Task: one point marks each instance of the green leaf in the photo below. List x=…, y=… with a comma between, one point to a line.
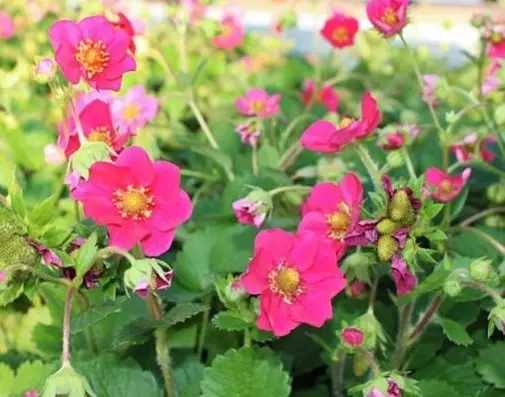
x=455, y=332
x=17, y=199
x=499, y=113
x=68, y=382
x=6, y=380
x=95, y=314
x=437, y=388
x=431, y=209
x=491, y=365
x=230, y=321
x=188, y=376
x=433, y=282
x=41, y=214
x=182, y=312
x=85, y=257
x=268, y=156
x=458, y=204
x=31, y=375
x=247, y=372
x=437, y=235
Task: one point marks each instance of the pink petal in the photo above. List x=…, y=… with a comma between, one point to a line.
x=167, y=182
x=157, y=242
x=138, y=161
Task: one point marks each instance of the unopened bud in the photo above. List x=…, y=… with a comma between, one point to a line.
x=452, y=288
x=352, y=337
x=481, y=270
x=395, y=159
x=44, y=70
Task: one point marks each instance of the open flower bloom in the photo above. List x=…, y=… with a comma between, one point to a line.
x=231, y=35
x=332, y=211
x=404, y=279
x=249, y=212
x=97, y=126
x=92, y=49
x=340, y=29
x=123, y=23
x=324, y=137
x=445, y=187
x=249, y=133
x=352, y=336
x=138, y=200
x=134, y=110
x=296, y=278
x=195, y=9
x=465, y=149
x=430, y=89
x=326, y=96
x=7, y=27
x=142, y=287
x=388, y=16
x=257, y=102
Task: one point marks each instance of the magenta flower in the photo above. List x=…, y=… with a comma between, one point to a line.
x=492, y=81
x=97, y=126
x=138, y=200
x=404, y=279
x=326, y=96
x=74, y=181
x=195, y=8
x=332, y=211
x=324, y=137
x=388, y=16
x=92, y=49
x=393, y=389
x=375, y=393
x=3, y=277
x=134, y=111
x=430, y=89
x=142, y=287
x=124, y=24
x=31, y=393
x=465, y=149
x=352, y=336
x=48, y=256
x=358, y=288
x=339, y=30
x=7, y=27
x=231, y=35
x=250, y=212
x=296, y=278
x=392, y=141
x=249, y=133
x=257, y=102
x=445, y=187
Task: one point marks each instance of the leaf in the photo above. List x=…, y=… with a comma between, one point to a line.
x=437, y=388
x=491, y=365
x=41, y=214
x=85, y=257
x=188, y=376
x=181, y=313
x=431, y=283
x=31, y=375
x=16, y=199
x=268, y=156
x=431, y=209
x=247, y=372
x=437, y=235
x=499, y=113
x=230, y=321
x=6, y=380
x=459, y=203
x=95, y=314
x=456, y=332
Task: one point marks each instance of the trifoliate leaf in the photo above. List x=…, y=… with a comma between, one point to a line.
x=248, y=372
x=188, y=376
x=230, y=321
x=437, y=388
x=491, y=365
x=181, y=313
x=455, y=332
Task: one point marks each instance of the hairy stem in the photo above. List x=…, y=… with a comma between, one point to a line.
x=370, y=166
x=203, y=124
x=425, y=320
x=203, y=327
x=283, y=189
x=290, y=155
x=480, y=215
x=247, y=338
x=374, y=366
x=401, y=344
x=65, y=355
x=337, y=376
x=254, y=156
x=408, y=163
x=484, y=288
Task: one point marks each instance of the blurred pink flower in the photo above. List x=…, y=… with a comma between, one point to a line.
x=250, y=212
x=391, y=141
x=45, y=69
x=54, y=155
x=404, y=279
x=445, y=187
x=231, y=35
x=249, y=133
x=7, y=27
x=352, y=336
x=142, y=287
x=339, y=30
x=134, y=110
x=257, y=102
x=430, y=89
x=465, y=149
x=327, y=95
x=388, y=16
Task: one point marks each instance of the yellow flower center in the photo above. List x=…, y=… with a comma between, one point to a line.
x=257, y=106
x=100, y=134
x=136, y=203
x=92, y=56
x=285, y=281
x=226, y=30
x=445, y=187
x=390, y=18
x=496, y=38
x=345, y=122
x=340, y=34
x=131, y=112
x=339, y=222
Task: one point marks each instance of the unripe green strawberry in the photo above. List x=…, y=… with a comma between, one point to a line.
x=401, y=210
x=481, y=269
x=495, y=221
x=452, y=288
x=387, y=246
x=387, y=226
x=360, y=364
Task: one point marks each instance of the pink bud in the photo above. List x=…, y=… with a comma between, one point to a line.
x=352, y=336
x=45, y=70
x=3, y=277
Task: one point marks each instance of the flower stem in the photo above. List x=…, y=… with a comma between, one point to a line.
x=290, y=155
x=337, y=375
x=370, y=166
x=203, y=124
x=65, y=355
x=254, y=155
x=77, y=120
x=290, y=188
x=373, y=294
x=479, y=163
x=247, y=338
x=203, y=327
x=408, y=163
x=374, y=366
x=197, y=174
x=401, y=344
x=480, y=215
x=480, y=68
x=425, y=320
x=484, y=288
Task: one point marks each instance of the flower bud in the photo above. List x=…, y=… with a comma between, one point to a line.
x=234, y=292
x=387, y=246
x=478, y=20
x=254, y=208
x=44, y=70
x=496, y=221
x=395, y=159
x=452, y=288
x=497, y=319
x=67, y=382
x=54, y=155
x=481, y=269
x=387, y=226
x=352, y=337
x=401, y=210
x=357, y=288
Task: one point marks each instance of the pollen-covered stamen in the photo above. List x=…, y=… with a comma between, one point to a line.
x=131, y=112
x=257, y=106
x=390, y=18
x=285, y=281
x=93, y=56
x=226, y=30
x=340, y=34
x=346, y=122
x=100, y=134
x=445, y=187
x=339, y=222
x=136, y=203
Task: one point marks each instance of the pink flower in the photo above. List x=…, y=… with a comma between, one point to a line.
x=54, y=155
x=135, y=110
x=138, y=200
x=31, y=393
x=48, y=256
x=388, y=16
x=339, y=30
x=324, y=137
x=250, y=212
x=92, y=49
x=326, y=96
x=358, y=288
x=445, y=187
x=430, y=89
x=332, y=211
x=3, y=277
x=44, y=70
x=492, y=81
x=404, y=279
x=142, y=287
x=296, y=278
x=352, y=336
x=7, y=27
x=97, y=126
x=195, y=8
x=392, y=141
x=249, y=133
x=393, y=389
x=375, y=393
x=232, y=34
x=124, y=24
x=257, y=102
x=465, y=149
x=74, y=181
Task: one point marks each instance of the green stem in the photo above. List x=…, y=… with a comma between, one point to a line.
x=254, y=156
x=77, y=120
x=203, y=327
x=480, y=215
x=401, y=344
x=370, y=166
x=425, y=320
x=337, y=375
x=408, y=163
x=203, y=124
x=446, y=221
x=247, y=338
x=284, y=189
x=111, y=250
x=478, y=163
x=480, y=68
x=374, y=366
x=484, y=288
x=198, y=174
x=65, y=355
x=290, y=155
x=290, y=128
